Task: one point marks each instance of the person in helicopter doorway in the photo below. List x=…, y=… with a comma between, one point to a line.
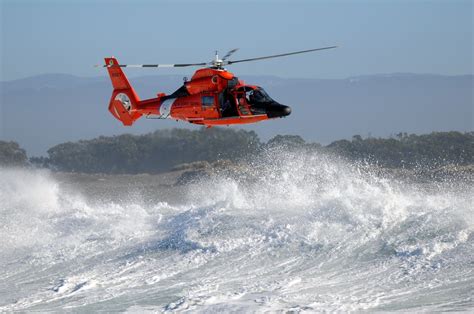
x=225, y=106
x=228, y=108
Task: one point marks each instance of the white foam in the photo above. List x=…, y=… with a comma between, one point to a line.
x=300, y=232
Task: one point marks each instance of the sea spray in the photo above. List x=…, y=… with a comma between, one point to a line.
x=288, y=231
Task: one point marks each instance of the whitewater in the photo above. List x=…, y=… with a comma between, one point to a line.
x=299, y=232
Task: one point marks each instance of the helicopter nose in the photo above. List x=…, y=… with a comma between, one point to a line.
x=286, y=111
x=278, y=111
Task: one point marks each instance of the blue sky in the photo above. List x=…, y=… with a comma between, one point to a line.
x=374, y=36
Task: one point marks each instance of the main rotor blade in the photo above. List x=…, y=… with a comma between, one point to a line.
x=178, y=65
x=228, y=54
x=280, y=55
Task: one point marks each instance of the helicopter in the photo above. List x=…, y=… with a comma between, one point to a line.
x=213, y=96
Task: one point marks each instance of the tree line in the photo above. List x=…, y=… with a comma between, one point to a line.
x=162, y=150
x=410, y=150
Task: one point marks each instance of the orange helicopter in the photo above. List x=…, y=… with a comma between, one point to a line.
x=213, y=96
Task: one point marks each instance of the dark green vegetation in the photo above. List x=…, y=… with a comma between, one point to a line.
x=151, y=153
x=12, y=155
x=437, y=149
x=160, y=151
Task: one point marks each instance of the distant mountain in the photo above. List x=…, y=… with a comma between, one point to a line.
x=42, y=111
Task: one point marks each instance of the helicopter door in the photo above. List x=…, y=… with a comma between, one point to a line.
x=227, y=105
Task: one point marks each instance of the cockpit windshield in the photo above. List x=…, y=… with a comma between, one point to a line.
x=258, y=96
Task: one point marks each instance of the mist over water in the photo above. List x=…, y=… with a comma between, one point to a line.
x=294, y=231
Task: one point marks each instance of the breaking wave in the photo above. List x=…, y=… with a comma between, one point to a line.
x=291, y=232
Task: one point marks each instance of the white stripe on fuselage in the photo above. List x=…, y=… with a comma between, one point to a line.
x=165, y=108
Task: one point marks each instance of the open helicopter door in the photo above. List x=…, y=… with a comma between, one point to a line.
x=227, y=104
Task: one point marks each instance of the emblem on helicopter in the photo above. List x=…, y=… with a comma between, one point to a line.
x=123, y=98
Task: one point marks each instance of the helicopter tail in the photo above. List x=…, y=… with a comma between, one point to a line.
x=124, y=100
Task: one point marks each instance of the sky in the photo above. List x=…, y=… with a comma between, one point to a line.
x=374, y=37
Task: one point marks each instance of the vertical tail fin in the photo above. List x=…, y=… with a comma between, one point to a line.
x=124, y=101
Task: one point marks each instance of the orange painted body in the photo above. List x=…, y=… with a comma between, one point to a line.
x=211, y=97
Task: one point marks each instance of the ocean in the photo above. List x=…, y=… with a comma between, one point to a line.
x=293, y=232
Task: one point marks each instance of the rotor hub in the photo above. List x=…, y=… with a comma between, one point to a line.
x=217, y=63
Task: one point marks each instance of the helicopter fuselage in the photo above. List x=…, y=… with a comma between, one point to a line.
x=211, y=97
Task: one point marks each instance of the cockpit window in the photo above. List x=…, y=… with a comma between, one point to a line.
x=245, y=89
x=258, y=96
